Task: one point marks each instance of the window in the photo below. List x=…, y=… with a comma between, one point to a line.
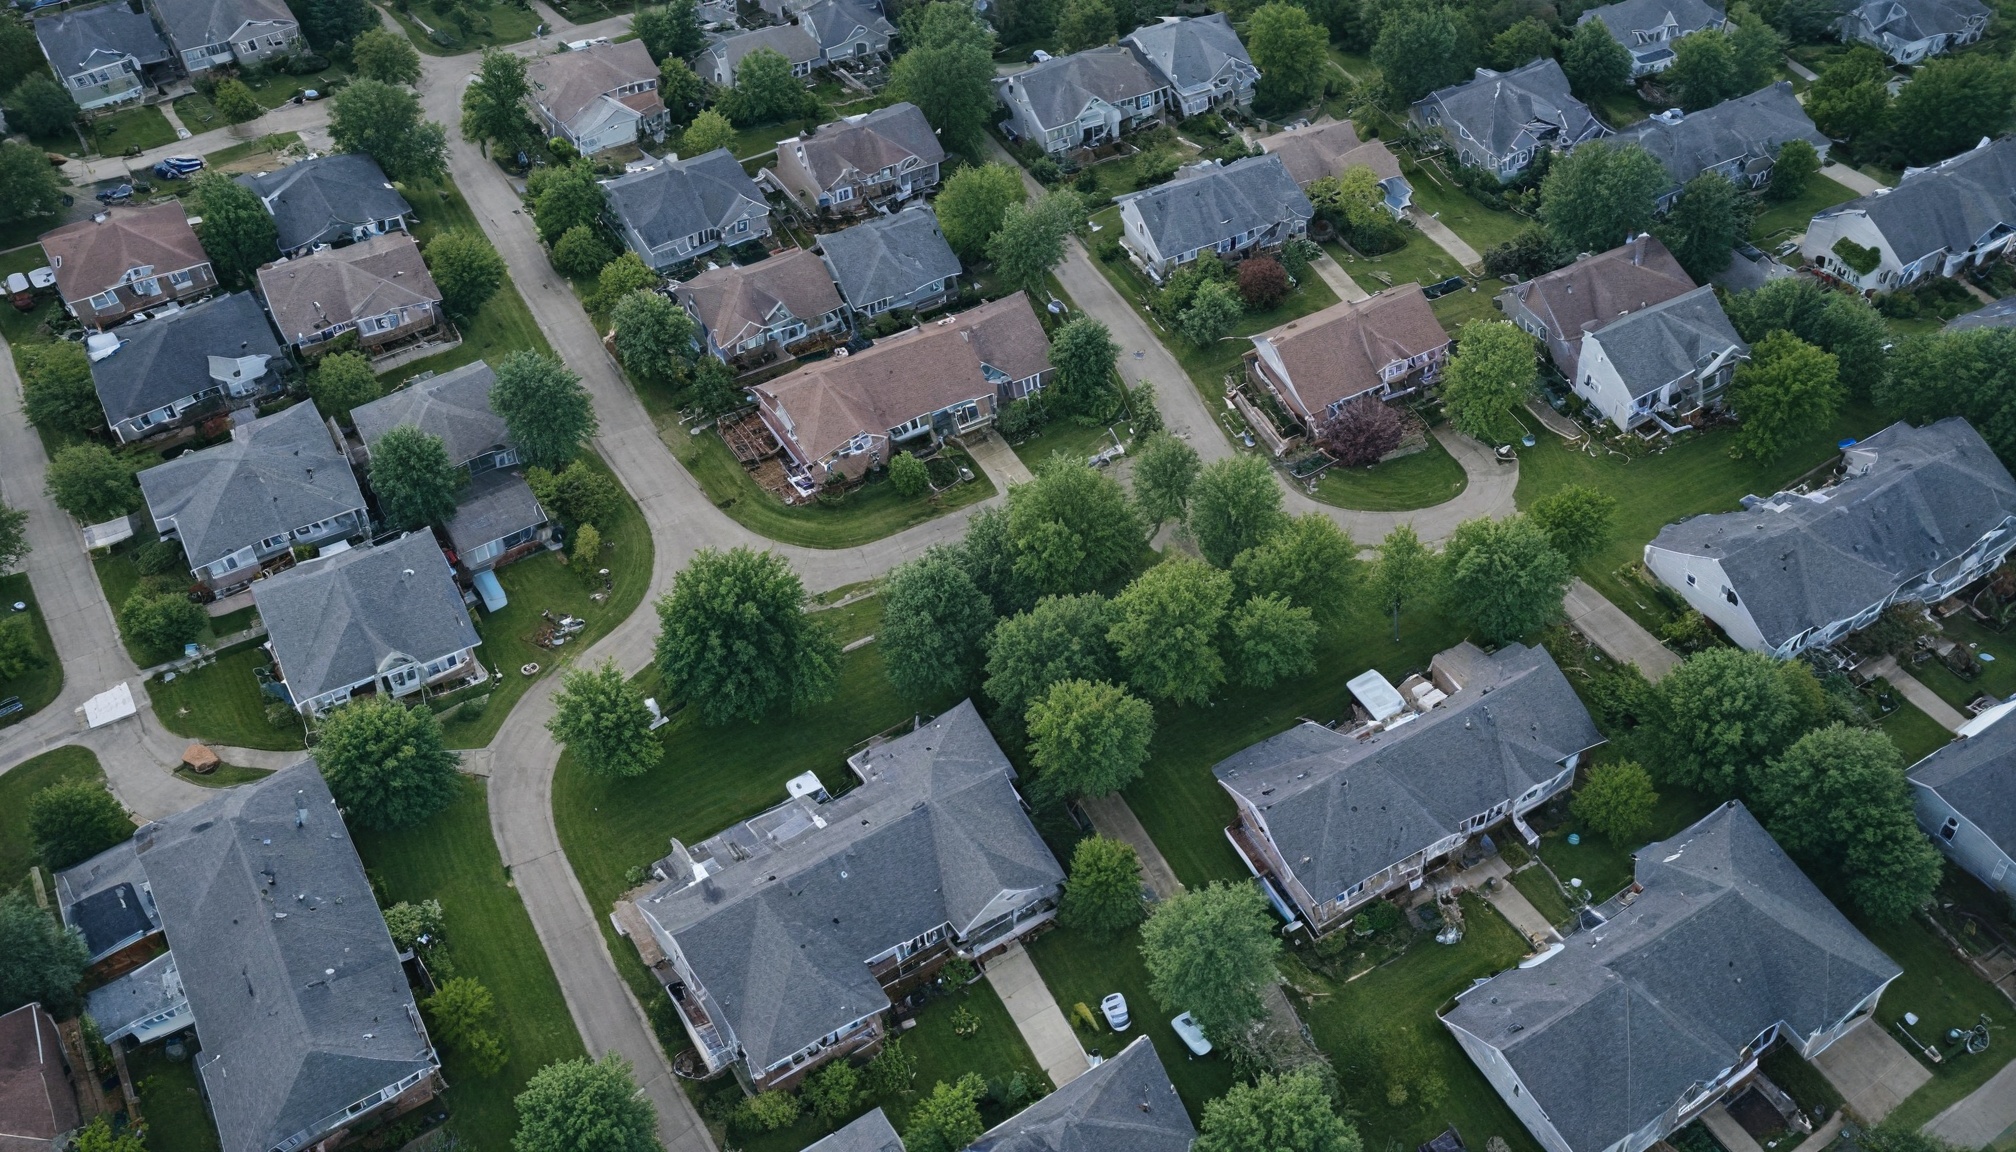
x=1691, y=581
x=1947, y=829
x=181, y=279
x=843, y=194
x=1729, y=594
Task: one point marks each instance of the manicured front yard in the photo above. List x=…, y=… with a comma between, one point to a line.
x=221, y=703
x=1543, y=892
x=133, y=130
x=1420, y=480
x=1437, y=195
x=1780, y=222
x=1915, y=734
x=38, y=685
x=17, y=786
x=1069, y=437
x=1419, y=261
x=119, y=574
x=507, y=24
x=1998, y=672
x=503, y=325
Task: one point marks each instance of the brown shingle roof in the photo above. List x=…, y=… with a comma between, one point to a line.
x=568, y=82
x=734, y=302
x=867, y=144
x=1337, y=353
x=1318, y=150
x=91, y=255
x=37, y=1103
x=343, y=284
x=1598, y=289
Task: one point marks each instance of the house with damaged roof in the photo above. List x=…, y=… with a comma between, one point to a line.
x=784, y=940
x=1737, y=139
x=1332, y=820
x=1911, y=31
x=1082, y=100
x=1917, y=514
x=1648, y=29
x=378, y=288
x=124, y=260
x=1200, y=58
x=846, y=30
x=1719, y=951
x=1674, y=358
x=1500, y=120
x=1965, y=797
x=103, y=55
x=1386, y=346
x=743, y=309
x=790, y=41
x=1937, y=221
x=1231, y=209
x=862, y=163
x=167, y=371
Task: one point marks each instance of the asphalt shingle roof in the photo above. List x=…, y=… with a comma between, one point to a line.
x=1217, y=201
x=83, y=39
x=454, y=406
x=169, y=357
x=1628, y=16
x=737, y=301
x=1751, y=128
x=1337, y=353
x=2001, y=314
x=324, y=198
x=1190, y=53
x=1951, y=205
x=1914, y=499
x=868, y=143
x=1126, y=1104
x=833, y=21
x=91, y=255
x=495, y=505
x=1977, y=776
x=1508, y=112
x=683, y=197
x=343, y=285
x=1595, y=290
x=1059, y=88
x=37, y=1104
x=576, y=85
x=1914, y=20
x=890, y=256
x=1318, y=150
x=869, y=1133
x=787, y=40
x=1655, y=346
x=195, y=23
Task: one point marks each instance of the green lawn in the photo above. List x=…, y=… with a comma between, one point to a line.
x=39, y=685
x=177, y=1121
x=1622, y=109
x=1477, y=302
x=198, y=114
x=1437, y=195
x=1393, y=1009
x=221, y=703
x=1780, y=222
x=1800, y=1080
x=264, y=146
x=508, y=24
x=502, y=325
x=17, y=785
x=131, y=130
x=1421, y=480
x=1543, y=892
x=1915, y=734
x=1420, y=261
x=1069, y=437
x=273, y=91
x=119, y=575
x=1604, y=867
x=452, y=858
x=1998, y=675
x=26, y=327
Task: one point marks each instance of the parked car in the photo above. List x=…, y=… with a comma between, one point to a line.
x=1115, y=1008
x=10, y=706
x=179, y=167
x=117, y=194
x=1193, y=1036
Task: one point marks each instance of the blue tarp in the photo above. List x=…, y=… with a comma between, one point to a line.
x=490, y=590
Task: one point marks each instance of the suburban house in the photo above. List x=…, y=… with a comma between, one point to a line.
x=1500, y=120
x=1648, y=28
x=785, y=939
x=378, y=288
x=497, y=518
x=674, y=211
x=378, y=618
x=869, y=1132
x=1387, y=345
x=599, y=97
x=1909, y=31
x=1738, y=139
x=2001, y=314
x=1231, y=209
x=1675, y=357
x=896, y=261
x=787, y=40
x=1937, y=221
x=1082, y=100
x=1314, y=151
x=1561, y=307
x=867, y=162
x=1199, y=59
x=331, y=200
x=1719, y=950
x=38, y=1104
x=196, y=361
x=101, y=55
x=1965, y=794
x=1332, y=820
x=281, y=962
x=846, y=30
x=844, y=415
x=125, y=260
x=1917, y=515
x=279, y=483
x=206, y=33
x=742, y=309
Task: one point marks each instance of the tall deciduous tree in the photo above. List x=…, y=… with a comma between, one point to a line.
x=564, y=197
x=1061, y=638
x=1165, y=472
x=766, y=91
x=1795, y=166
x=708, y=131
x=235, y=101
x=1970, y=373
x=1030, y=241
x=74, y=820
x=1085, y=24
x=1235, y=505
x=160, y=623
x=1505, y=578
x=40, y=960
x=327, y=23
x=1308, y=561
x=601, y=717
x=934, y=625
x=654, y=337
x=1209, y=952
x=1950, y=104
x=238, y=233
x=670, y=31
x=415, y=481
x=383, y=121
x=1405, y=573
x=971, y=204
x=579, y=1106
x=1578, y=521
x=1088, y=739
x=735, y=641
x=1595, y=62
x=544, y=407
x=1214, y=309
x=466, y=269
x=949, y=1118
x=1840, y=322
x=1617, y=801
x=1167, y=634
x=1102, y=894
x=1083, y=352
x=1524, y=42
x=57, y=393
x=385, y=763
x=1420, y=49
x=1492, y=372
x=41, y=107
x=1703, y=72
x=1292, y=1112
x=342, y=381
x=1601, y=194
x=1851, y=99
x=90, y=483
x=1271, y=640
x=1703, y=229
x=948, y=70
x=681, y=90
x=1071, y=529
x=385, y=55
x=1289, y=51
x=1724, y=712
x=493, y=105
x=14, y=546
x=1361, y=433
x=29, y=187
x=1788, y=388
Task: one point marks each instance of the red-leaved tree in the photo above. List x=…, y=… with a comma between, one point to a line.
x=1262, y=283
x=1361, y=432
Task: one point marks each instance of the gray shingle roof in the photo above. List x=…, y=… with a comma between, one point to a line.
x=333, y=622
x=454, y=406
x=1655, y=346
x=1728, y=938
x=1126, y=1104
x=787, y=40
x=1189, y=53
x=1595, y=290
x=1508, y=112
x=195, y=23
x=1977, y=776
x=83, y=39
x=683, y=197
x=2001, y=314
x=120, y=1006
x=889, y=256
x=1798, y=562
x=163, y=360
x=1198, y=210
x=1750, y=128
x=833, y=21
x=1628, y=16
x=778, y=939
x=494, y=506
x=1058, y=89
x=297, y=990
x=1913, y=20
x=1341, y=809
x=278, y=473
x=320, y=199
x=1951, y=205
x=869, y=1133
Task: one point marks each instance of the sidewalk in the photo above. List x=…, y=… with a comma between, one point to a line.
x=1921, y=697
x=1340, y=281
x=1003, y=467
x=1982, y=1116
x=1851, y=179
x=1509, y=901
x=1620, y=637
x=1727, y=1131
x=1036, y=1015
x=1451, y=243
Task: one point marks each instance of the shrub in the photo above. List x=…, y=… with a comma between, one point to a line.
x=1361, y=433
x=908, y=476
x=1262, y=283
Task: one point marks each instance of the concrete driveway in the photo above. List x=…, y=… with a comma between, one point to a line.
x=1872, y=1071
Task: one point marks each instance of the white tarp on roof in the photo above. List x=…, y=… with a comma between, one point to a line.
x=115, y=703
x=1376, y=693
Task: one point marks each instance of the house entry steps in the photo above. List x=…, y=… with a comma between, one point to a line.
x=1727, y=1131
x=1036, y=1015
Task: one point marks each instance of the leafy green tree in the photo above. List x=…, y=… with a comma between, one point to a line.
x=1025, y=21
x=1723, y=713
x=1703, y=72
x=408, y=923
x=1061, y=638
x=383, y=121
x=544, y=408
x=1354, y=203
x=1795, y=167
x=1787, y=389
x=326, y=23
x=1492, y=372
x=462, y=1014
x=1405, y=573
x=90, y=483
x=654, y=337
x=600, y=716
x=1271, y=640
x=949, y=1118
x=160, y=623
x=14, y=546
x=1950, y=104
x=619, y=278
x=564, y=197
x=1595, y=62
x=934, y=625
x=1578, y=521
x=1083, y=352
x=493, y=105
x=415, y=482
x=342, y=381
x=1167, y=634
x=1617, y=801
x=20, y=52
x=56, y=389
x=1102, y=896
x=1600, y=194
x=40, y=960
x=670, y=31
x=681, y=90
x=98, y=1136
x=1421, y=49
x=892, y=1071
x=29, y=187
x=971, y=204
x=1071, y=529
x=1971, y=374
x=1524, y=42
x=1755, y=48
x=577, y=494
x=1851, y=99
x=235, y=102
x=1214, y=309
x=832, y=1092
x=238, y=233
x=387, y=56
x=1088, y=739
x=1234, y=505
x=385, y=762
x=582, y=1106
x=1308, y=561
x=581, y=252
x=19, y=651
x=735, y=640
x=714, y=389
x=74, y=820
x=1085, y=24
x=765, y=91
x=1289, y=51
x=948, y=71
x=1287, y=1113
x=1840, y=322
x=466, y=269
x=1165, y=472
x=1505, y=577
x=40, y=107
x=1704, y=228
x=710, y=130
x=908, y=476
x=1030, y=241
x=1209, y=952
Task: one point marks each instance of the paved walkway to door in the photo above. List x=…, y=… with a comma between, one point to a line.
x=1036, y=1015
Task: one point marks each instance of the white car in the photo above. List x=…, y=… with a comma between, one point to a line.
x=1193, y=1036
x=1115, y=1008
